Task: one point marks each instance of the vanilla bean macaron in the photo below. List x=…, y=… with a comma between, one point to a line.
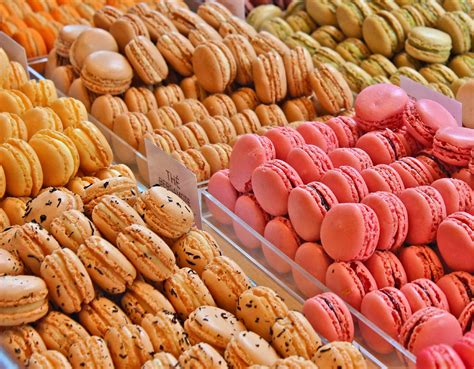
x=202, y=355
x=248, y=348
x=91, y=351
x=20, y=342
x=48, y=359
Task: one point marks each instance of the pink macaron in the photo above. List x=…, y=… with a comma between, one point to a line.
x=221, y=188
x=310, y=161
x=380, y=106
x=346, y=183
x=280, y=233
x=350, y=232
x=386, y=269
x=439, y=356
x=422, y=293
x=352, y=157
x=423, y=118
x=457, y=194
x=437, y=168
x=307, y=207
x=453, y=145
x=248, y=153
x=465, y=349
x=427, y=327
x=412, y=172
x=383, y=177
x=284, y=139
x=459, y=290
x=456, y=241
x=392, y=216
x=330, y=317
x=466, y=319
x=249, y=211
x=426, y=211
x=351, y=281
x=420, y=261
x=465, y=175
x=383, y=147
x=312, y=258
x=318, y=134
x=272, y=183
x=388, y=309
x=346, y=129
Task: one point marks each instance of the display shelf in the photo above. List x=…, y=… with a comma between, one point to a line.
x=260, y=270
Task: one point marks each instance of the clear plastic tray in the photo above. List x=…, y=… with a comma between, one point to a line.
x=259, y=270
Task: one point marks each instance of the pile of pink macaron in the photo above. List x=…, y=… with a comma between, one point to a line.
x=378, y=206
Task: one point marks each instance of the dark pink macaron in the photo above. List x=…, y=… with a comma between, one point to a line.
x=352, y=157
x=248, y=153
x=383, y=147
x=284, y=139
x=383, y=177
x=465, y=349
x=412, y=172
x=318, y=134
x=423, y=118
x=307, y=207
x=346, y=183
x=453, y=145
x=386, y=269
x=248, y=210
x=380, y=106
x=457, y=194
x=437, y=168
x=351, y=281
x=459, y=289
x=346, y=130
x=311, y=162
x=439, y=356
x=455, y=239
x=387, y=308
x=350, y=232
x=330, y=317
x=392, y=216
x=311, y=257
x=220, y=187
x=422, y=293
x=427, y=327
x=466, y=319
x=280, y=233
x=272, y=183
x=426, y=211
x=420, y=261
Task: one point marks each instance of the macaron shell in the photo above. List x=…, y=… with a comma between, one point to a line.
x=422, y=293
x=438, y=356
x=458, y=287
x=220, y=187
x=310, y=162
x=465, y=349
x=386, y=269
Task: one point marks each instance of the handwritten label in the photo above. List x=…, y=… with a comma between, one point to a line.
x=165, y=171
x=418, y=91
x=14, y=50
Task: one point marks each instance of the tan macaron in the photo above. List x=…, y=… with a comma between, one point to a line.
x=21, y=342
x=91, y=351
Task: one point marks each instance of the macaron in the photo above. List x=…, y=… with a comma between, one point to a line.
x=383, y=33
x=284, y=140
x=177, y=51
x=328, y=36
x=437, y=168
x=310, y=162
x=24, y=299
x=48, y=358
x=203, y=355
x=351, y=281
x=412, y=172
x=104, y=17
x=429, y=326
x=247, y=349
x=298, y=66
x=453, y=145
x=356, y=77
x=70, y=111
x=214, y=13
x=457, y=24
x=346, y=129
x=93, y=349
x=458, y=287
x=157, y=24
x=272, y=183
x=10, y=263
x=246, y=122
x=299, y=109
x=353, y=50
x=269, y=75
x=346, y=183
x=278, y=27
x=14, y=101
x=220, y=187
x=318, y=134
x=190, y=110
x=259, y=14
x=262, y=303
x=389, y=309
x=21, y=342
x=244, y=98
x=421, y=261
x=220, y=105
x=350, y=17
x=280, y=234
x=126, y=28
x=428, y=44
x=339, y=354
x=264, y=42
x=466, y=317
x=457, y=194
x=464, y=348
x=331, y=89
x=271, y=115
x=378, y=65
x=166, y=332
x=168, y=95
x=324, y=13
x=352, y=157
x=302, y=39
x=244, y=54
x=453, y=242
x=201, y=33
x=438, y=355
x=422, y=293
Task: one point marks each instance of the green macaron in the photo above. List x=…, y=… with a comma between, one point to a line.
x=277, y=27
x=428, y=44
x=409, y=17
x=328, y=36
x=463, y=65
x=350, y=17
x=383, y=33
x=325, y=55
x=409, y=73
x=458, y=25
x=301, y=21
x=431, y=11
x=378, y=65
x=438, y=73
x=442, y=89
x=356, y=77
x=304, y=40
x=261, y=13
x=353, y=50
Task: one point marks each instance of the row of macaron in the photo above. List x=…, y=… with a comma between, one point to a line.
x=203, y=323
x=388, y=22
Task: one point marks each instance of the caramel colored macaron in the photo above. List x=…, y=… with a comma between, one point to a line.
x=157, y=24
x=270, y=78
x=298, y=66
x=202, y=33
x=178, y=52
x=247, y=349
x=265, y=42
x=40, y=93
x=244, y=54
x=126, y=28
x=219, y=129
x=271, y=115
x=164, y=118
x=191, y=110
x=202, y=355
x=192, y=89
x=48, y=359
x=107, y=107
x=168, y=95
x=245, y=98
x=142, y=298
x=40, y=118
x=300, y=109
x=190, y=136
x=161, y=359
x=220, y=104
x=214, y=13
x=71, y=111
x=21, y=342
x=140, y=100
x=217, y=155
x=12, y=126
x=10, y=263
x=14, y=101
x=90, y=350
x=214, y=66
x=246, y=122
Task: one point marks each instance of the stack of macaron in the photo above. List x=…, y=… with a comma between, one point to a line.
x=207, y=80
x=122, y=279
x=371, y=42
x=35, y=25
x=359, y=203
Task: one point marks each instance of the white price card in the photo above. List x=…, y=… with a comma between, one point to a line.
x=14, y=50
x=418, y=91
x=167, y=172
